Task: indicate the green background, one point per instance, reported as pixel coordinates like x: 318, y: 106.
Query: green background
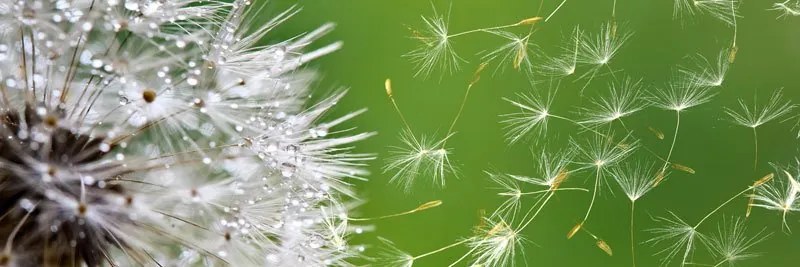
x: 376, y: 35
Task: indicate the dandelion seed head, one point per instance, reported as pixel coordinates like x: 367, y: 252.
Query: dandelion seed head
x: 623, y: 99
x: 757, y: 115
x: 419, y: 157
x: 160, y: 133
x: 636, y: 179
x: 495, y: 244
x: 680, y: 96
x: 531, y: 120
x: 731, y: 243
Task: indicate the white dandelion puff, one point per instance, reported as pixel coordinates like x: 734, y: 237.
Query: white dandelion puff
x: 435, y: 50
x: 419, y: 157
x: 622, y: 99
x: 781, y: 194
x: 597, y: 50
x: 530, y: 122
x: 757, y: 115
x: 787, y: 8
x: 723, y: 10
x: 706, y: 73
x: 159, y: 133
x: 731, y: 243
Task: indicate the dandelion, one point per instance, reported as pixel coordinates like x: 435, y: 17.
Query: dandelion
x: 755, y: 115
x: 676, y: 235
x: 705, y: 73
x: 552, y: 169
x: 679, y: 97
x: 601, y: 154
x: 598, y: 49
x: 417, y: 157
x: 723, y: 10
x: 780, y: 194
x: 787, y: 8
x: 435, y: 49
x: 516, y: 52
x: 530, y: 121
x: 565, y: 64
x: 731, y: 243
x: 622, y: 100
x: 160, y: 133
x: 680, y: 236
x: 496, y: 244
x: 636, y: 180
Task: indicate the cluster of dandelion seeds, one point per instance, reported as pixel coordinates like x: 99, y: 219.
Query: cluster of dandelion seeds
x: 164, y: 133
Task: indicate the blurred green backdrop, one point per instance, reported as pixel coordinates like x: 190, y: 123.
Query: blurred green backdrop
x: 375, y: 35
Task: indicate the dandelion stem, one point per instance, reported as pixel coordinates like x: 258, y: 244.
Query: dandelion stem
x: 460, y: 110
x: 633, y: 242
x: 484, y: 29
x: 439, y: 249
x: 424, y: 206
x: 389, y: 92
x: 734, y: 49
x: 594, y: 195
x: 755, y: 141
x: 722, y: 205
x: 555, y: 10
x: 674, y: 138
x: 541, y: 206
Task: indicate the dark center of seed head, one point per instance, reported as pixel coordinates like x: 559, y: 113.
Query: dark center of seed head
x: 149, y: 95
x: 51, y: 121
x: 82, y: 209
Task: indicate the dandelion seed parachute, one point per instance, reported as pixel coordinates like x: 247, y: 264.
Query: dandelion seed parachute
x: 162, y: 133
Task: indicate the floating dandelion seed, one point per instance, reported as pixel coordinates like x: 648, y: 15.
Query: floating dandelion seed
x: 780, y: 194
x: 787, y: 8
x: 704, y: 73
x: 598, y: 49
x: 676, y: 235
x: 566, y: 63
x: 723, y: 10
x: 391, y: 256
x: 419, y: 157
x: 679, y: 97
x: 516, y: 52
x: 495, y: 244
x: 755, y: 115
x: 159, y: 133
x: 435, y: 50
x: 600, y: 154
x: 636, y: 180
x: 552, y: 169
x: 622, y: 100
x: 681, y: 236
x: 531, y: 120
x: 731, y: 243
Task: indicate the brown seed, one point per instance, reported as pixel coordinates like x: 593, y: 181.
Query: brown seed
x: 574, y: 230
x: 605, y: 247
x: 429, y: 205
x: 388, y: 85
x: 763, y: 180
x: 560, y: 178
x: 659, y: 178
x: 658, y: 133
x: 682, y: 168
x: 749, y: 206
x: 149, y: 95
x: 529, y: 21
